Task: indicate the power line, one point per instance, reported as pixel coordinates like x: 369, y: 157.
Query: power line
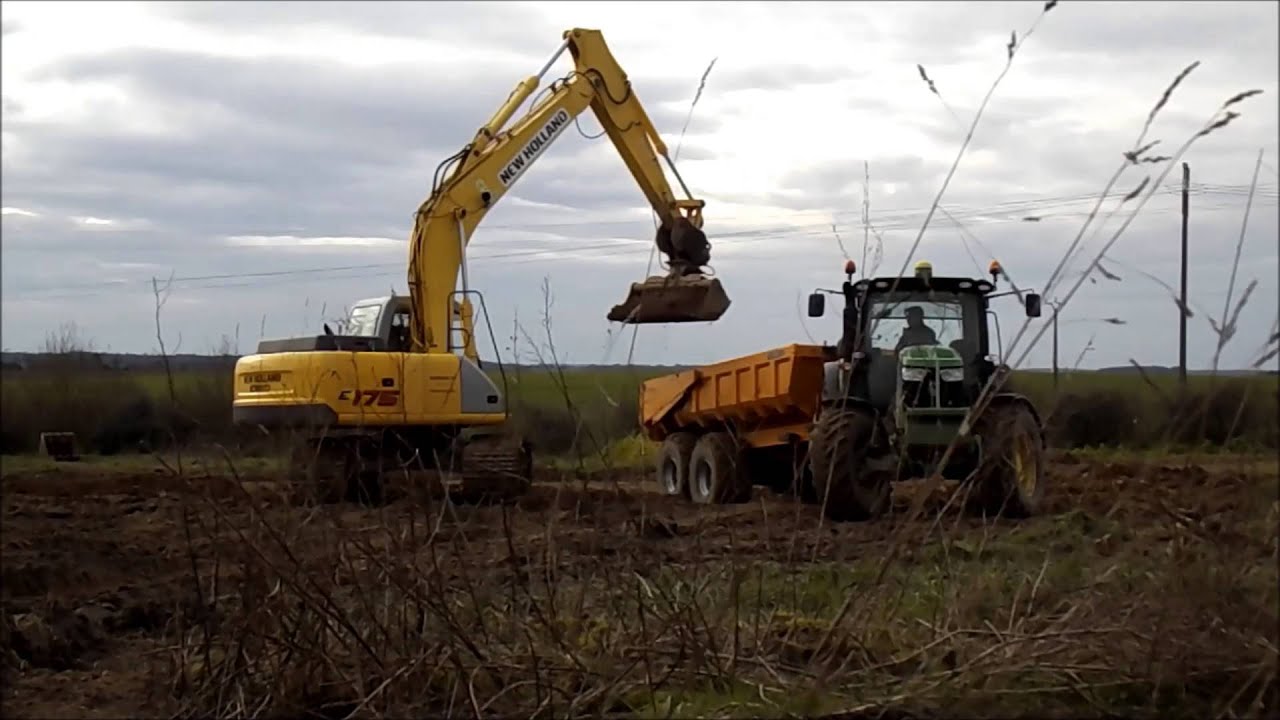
x: 525, y: 257
x: 801, y: 232
x: 892, y: 220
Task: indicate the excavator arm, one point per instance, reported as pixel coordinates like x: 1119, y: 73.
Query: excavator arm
x: 479, y: 176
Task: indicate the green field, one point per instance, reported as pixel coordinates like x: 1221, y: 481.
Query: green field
x: 582, y: 411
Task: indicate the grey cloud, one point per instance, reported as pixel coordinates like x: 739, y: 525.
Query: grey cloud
x: 1134, y: 31
x: 521, y: 41
x: 395, y: 106
x: 420, y: 21
x: 833, y: 183
x: 580, y: 175
x: 1038, y: 146
x: 343, y: 149
x: 690, y: 151
x: 773, y: 77
x: 392, y: 103
x: 1198, y: 29
x: 84, y: 252
x: 242, y: 188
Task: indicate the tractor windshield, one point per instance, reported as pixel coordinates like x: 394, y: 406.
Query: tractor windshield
x: 900, y: 320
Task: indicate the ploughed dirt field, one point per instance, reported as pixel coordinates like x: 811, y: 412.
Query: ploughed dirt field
x: 1147, y: 587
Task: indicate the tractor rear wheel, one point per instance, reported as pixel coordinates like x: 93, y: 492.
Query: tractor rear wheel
x: 717, y: 475
x: 673, y: 464
x: 1010, y: 477
x: 838, y: 452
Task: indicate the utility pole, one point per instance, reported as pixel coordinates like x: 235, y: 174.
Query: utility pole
x: 1182, y: 309
x: 1055, y: 347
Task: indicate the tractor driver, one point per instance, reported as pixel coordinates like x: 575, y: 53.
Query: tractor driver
x: 916, y: 332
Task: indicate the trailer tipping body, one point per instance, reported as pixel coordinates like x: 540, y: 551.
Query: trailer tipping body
x: 765, y: 398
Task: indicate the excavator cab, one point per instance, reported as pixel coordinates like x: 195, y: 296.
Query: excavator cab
x: 685, y: 294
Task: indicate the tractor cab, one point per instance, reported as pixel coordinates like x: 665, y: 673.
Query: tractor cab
x: 930, y: 336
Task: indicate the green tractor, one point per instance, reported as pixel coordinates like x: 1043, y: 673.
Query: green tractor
x: 914, y: 356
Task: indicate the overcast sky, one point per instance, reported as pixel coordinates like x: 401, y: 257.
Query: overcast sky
x: 272, y: 155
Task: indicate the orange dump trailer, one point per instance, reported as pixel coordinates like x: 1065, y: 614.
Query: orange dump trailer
x: 731, y: 425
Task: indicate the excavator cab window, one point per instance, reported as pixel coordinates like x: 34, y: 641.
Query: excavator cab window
x: 363, y: 321
x: 399, y: 335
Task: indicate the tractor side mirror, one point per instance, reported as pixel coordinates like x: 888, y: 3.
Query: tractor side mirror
x: 817, y: 304
x: 1032, y: 302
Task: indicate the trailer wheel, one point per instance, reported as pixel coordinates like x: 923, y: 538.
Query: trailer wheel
x: 716, y: 472
x: 673, y: 464
x: 1010, y: 476
x: 845, y: 486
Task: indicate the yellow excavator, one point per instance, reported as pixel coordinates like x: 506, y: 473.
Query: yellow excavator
x: 401, y: 385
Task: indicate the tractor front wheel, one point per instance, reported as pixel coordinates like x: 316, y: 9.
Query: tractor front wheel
x: 1010, y: 477
x: 846, y: 486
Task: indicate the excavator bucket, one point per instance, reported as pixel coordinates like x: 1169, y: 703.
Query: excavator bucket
x: 668, y: 299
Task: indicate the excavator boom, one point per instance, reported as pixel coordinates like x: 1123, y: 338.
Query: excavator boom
x: 497, y: 158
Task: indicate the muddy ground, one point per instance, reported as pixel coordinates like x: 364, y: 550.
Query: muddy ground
x: 102, y: 602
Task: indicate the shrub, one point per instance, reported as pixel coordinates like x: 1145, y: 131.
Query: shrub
x: 115, y: 411
x: 1094, y: 419
x: 1231, y: 412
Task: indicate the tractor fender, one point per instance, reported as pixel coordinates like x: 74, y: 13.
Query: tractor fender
x: 1011, y: 398
x: 837, y: 379
x: 834, y: 378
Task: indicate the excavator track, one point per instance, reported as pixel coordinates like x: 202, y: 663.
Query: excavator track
x: 493, y: 467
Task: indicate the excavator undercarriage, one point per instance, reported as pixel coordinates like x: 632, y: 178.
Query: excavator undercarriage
x: 359, y: 467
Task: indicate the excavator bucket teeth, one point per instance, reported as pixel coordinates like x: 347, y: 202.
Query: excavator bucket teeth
x: 691, y: 298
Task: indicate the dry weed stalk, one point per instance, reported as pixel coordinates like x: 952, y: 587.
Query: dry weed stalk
x: 561, y: 610
x: 1222, y: 117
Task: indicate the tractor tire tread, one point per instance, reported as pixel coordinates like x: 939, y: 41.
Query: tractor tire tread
x: 994, y: 489
x: 837, y: 456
